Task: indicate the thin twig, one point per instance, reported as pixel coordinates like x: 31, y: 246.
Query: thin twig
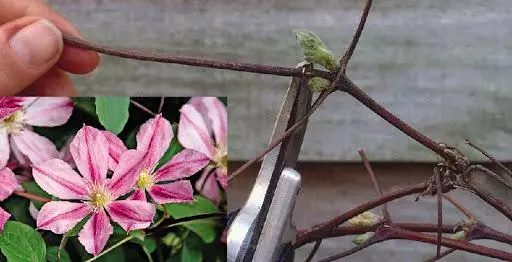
x: 126, y: 239
x: 459, y: 206
x: 494, y: 202
x: 33, y: 197
x: 439, y: 210
x: 313, y: 251
x: 310, y: 235
x: 297, y: 126
x: 350, y: 51
x: 161, y: 106
x: 493, y: 159
x: 141, y: 107
x: 193, y: 61
x: 376, y: 185
x: 373, y: 240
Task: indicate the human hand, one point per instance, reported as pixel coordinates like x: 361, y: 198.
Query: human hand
x: 33, y: 58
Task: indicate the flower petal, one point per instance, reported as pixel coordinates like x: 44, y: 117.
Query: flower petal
x: 184, y: 164
x: 222, y: 177
x: 4, y: 216
x: 131, y: 214
x: 48, y: 111
x: 127, y: 172
x: 154, y: 137
x: 193, y: 132
x: 208, y: 187
x: 4, y: 147
x: 9, y: 105
x: 57, y: 178
x: 217, y: 115
x: 61, y: 216
x: 96, y: 232
x: 139, y: 194
x: 8, y: 183
x: 90, y: 152
x: 116, y: 148
x: 35, y: 147
x: 176, y: 192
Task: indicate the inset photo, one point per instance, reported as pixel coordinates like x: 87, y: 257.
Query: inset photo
x: 113, y: 178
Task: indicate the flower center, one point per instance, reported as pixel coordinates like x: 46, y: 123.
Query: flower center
x: 145, y: 179
x: 13, y: 123
x: 220, y: 158
x: 99, y: 198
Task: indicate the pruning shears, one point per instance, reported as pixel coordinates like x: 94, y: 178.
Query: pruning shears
x: 263, y: 229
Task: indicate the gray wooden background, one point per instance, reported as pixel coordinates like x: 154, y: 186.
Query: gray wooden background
x: 444, y: 66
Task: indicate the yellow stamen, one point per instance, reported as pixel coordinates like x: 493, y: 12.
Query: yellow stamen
x: 13, y: 123
x: 220, y: 158
x: 99, y: 198
x: 145, y: 179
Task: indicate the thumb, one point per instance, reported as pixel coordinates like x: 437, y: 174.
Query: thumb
x: 29, y: 47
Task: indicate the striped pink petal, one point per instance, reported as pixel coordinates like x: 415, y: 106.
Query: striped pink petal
x: 184, y: 164
x: 218, y: 118
x: 4, y: 147
x: 35, y: 147
x: 127, y: 171
x: 154, y: 137
x: 193, y: 132
x: 9, y: 105
x: 90, y: 152
x: 176, y: 192
x: 48, y: 111
x: 222, y: 177
x: 208, y: 187
x: 4, y: 216
x: 116, y: 148
x: 131, y: 214
x: 138, y: 194
x: 96, y: 232
x: 8, y: 183
x: 57, y: 178
x: 20, y: 157
x: 61, y: 216
x: 65, y: 153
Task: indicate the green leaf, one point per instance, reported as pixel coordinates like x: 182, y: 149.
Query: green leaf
x: 318, y: 84
x: 52, y: 255
x: 21, y: 243
x: 315, y: 51
x: 113, y: 112
x: 76, y: 229
x: 192, y: 249
x: 173, y: 149
x: 200, y: 206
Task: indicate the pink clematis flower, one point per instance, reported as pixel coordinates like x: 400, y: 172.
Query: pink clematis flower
x: 97, y: 194
x: 8, y: 183
x: 153, y: 139
x: 15, y: 126
x: 203, y: 127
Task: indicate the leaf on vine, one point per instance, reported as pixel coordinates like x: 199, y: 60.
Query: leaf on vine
x: 21, y: 243
x: 192, y: 249
x: 113, y: 112
x: 315, y: 51
x: 200, y: 206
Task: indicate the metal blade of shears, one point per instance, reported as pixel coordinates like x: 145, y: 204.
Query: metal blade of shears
x: 246, y: 228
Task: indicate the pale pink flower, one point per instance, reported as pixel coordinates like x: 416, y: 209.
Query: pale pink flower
x: 97, y: 194
x: 8, y: 183
x: 16, y: 133
x: 203, y: 127
x: 153, y: 139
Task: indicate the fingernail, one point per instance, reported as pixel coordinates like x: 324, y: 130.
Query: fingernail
x: 37, y: 43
